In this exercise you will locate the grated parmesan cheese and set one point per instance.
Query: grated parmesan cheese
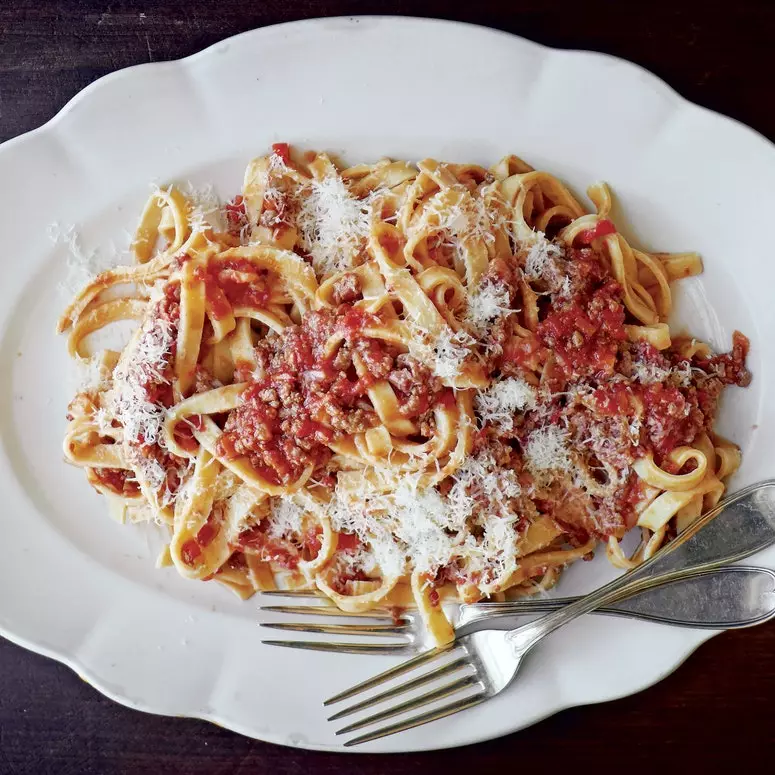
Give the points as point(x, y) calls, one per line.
point(408, 524)
point(498, 404)
point(104, 422)
point(333, 225)
point(450, 351)
point(481, 477)
point(682, 374)
point(547, 450)
point(354, 560)
point(426, 527)
point(362, 515)
point(483, 494)
point(648, 373)
point(488, 303)
point(285, 519)
point(422, 529)
point(539, 262)
point(469, 219)
point(142, 419)
point(83, 264)
point(206, 210)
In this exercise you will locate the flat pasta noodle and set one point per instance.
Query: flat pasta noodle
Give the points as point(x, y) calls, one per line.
point(398, 384)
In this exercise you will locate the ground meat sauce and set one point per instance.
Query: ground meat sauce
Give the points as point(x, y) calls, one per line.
point(119, 480)
point(236, 215)
point(306, 398)
point(347, 572)
point(285, 553)
point(585, 334)
point(418, 389)
point(255, 541)
point(614, 400)
point(168, 307)
point(730, 368)
point(234, 282)
point(184, 432)
point(346, 289)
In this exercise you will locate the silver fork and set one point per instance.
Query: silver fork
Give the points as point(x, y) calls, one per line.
point(734, 537)
point(490, 658)
point(691, 602)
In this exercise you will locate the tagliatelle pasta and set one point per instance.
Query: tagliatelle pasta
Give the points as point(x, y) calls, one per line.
point(397, 384)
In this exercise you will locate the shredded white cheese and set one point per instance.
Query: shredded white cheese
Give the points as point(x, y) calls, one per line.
point(682, 374)
point(481, 477)
point(450, 351)
point(498, 403)
point(142, 419)
point(285, 519)
point(547, 450)
point(206, 210)
point(539, 262)
point(487, 304)
point(83, 264)
point(333, 224)
point(483, 494)
point(648, 373)
point(469, 219)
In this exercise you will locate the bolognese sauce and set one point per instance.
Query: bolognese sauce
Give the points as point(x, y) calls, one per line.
point(307, 397)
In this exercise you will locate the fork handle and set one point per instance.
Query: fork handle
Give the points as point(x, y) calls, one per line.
point(735, 528)
point(722, 599)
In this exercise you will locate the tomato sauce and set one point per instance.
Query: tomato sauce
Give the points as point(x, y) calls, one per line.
point(184, 432)
point(190, 552)
point(120, 480)
point(168, 307)
point(447, 399)
point(614, 399)
point(600, 229)
point(312, 543)
point(269, 550)
point(585, 337)
point(525, 352)
point(306, 396)
point(233, 283)
point(730, 367)
point(627, 499)
point(671, 418)
point(283, 151)
point(348, 542)
point(208, 532)
point(392, 243)
point(340, 581)
point(235, 212)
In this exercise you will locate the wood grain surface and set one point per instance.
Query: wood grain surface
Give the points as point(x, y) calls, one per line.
point(713, 714)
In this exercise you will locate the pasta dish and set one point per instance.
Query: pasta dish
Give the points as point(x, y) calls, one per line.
point(399, 384)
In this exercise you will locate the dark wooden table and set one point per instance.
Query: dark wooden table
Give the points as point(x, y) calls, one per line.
point(714, 713)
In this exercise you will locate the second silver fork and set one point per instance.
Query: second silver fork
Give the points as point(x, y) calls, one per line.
point(691, 602)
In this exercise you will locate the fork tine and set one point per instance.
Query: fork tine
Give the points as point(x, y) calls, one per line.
point(414, 703)
point(324, 610)
point(450, 667)
point(391, 649)
point(423, 718)
point(339, 629)
point(293, 593)
point(404, 667)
